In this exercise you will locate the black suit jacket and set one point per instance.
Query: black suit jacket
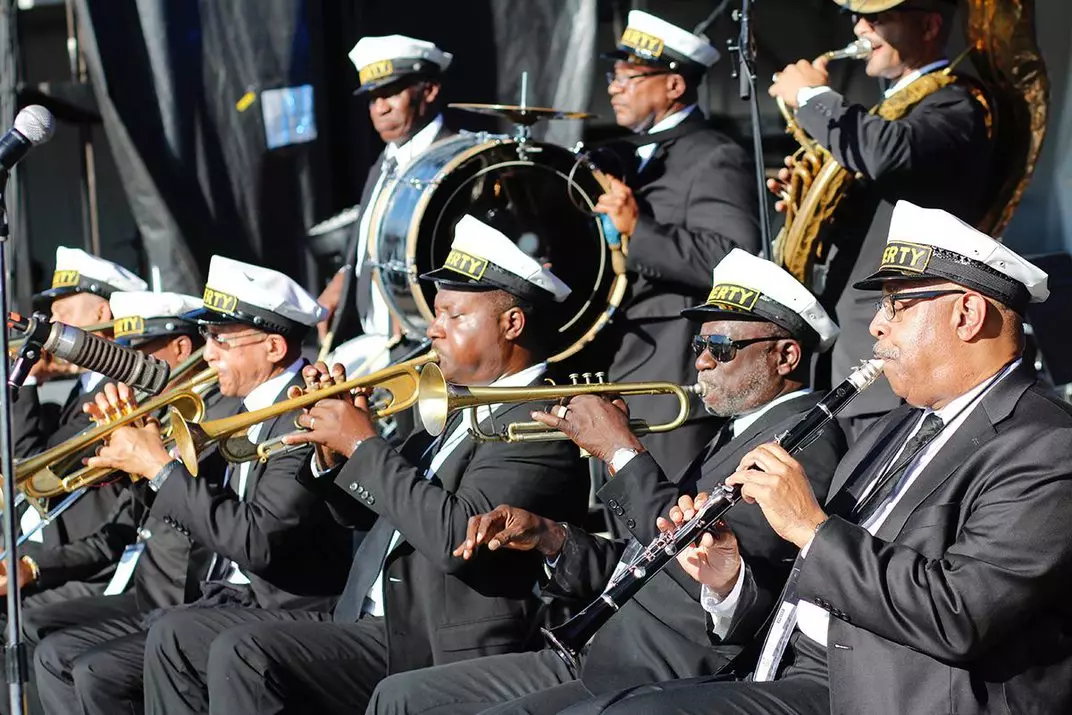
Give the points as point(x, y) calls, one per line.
point(102, 511)
point(663, 632)
point(282, 537)
point(960, 602)
point(439, 608)
point(937, 156)
point(697, 198)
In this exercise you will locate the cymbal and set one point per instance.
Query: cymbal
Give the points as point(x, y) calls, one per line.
point(526, 116)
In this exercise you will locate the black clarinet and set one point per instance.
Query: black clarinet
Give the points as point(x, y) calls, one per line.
point(570, 639)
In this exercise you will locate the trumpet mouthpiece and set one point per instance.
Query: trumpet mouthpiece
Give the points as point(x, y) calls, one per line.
point(698, 389)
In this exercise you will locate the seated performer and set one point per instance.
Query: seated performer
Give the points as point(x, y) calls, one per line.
point(690, 200)
point(757, 330)
point(935, 578)
point(408, 602)
point(275, 545)
point(81, 286)
point(153, 324)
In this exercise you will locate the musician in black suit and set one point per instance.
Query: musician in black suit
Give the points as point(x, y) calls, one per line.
point(81, 286)
point(691, 200)
point(401, 78)
point(936, 154)
point(274, 545)
point(756, 332)
point(408, 602)
point(935, 578)
point(152, 323)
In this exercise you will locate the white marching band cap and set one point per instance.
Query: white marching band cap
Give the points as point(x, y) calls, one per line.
point(141, 316)
point(382, 60)
point(934, 244)
point(484, 257)
point(746, 286)
point(653, 41)
point(81, 272)
point(238, 292)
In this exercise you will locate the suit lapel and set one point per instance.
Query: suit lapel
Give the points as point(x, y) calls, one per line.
point(977, 428)
point(273, 428)
point(873, 441)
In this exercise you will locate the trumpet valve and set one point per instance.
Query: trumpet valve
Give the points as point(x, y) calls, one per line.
point(587, 378)
point(601, 378)
point(575, 378)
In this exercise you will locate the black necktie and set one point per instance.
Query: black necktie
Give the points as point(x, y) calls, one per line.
point(892, 477)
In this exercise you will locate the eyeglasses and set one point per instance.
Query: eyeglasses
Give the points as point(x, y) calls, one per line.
point(230, 340)
point(624, 80)
point(888, 303)
point(724, 348)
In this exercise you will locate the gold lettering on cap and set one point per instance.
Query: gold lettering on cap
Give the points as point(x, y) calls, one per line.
point(375, 71)
point(466, 264)
point(728, 296)
point(219, 301)
point(130, 325)
point(641, 42)
point(905, 256)
point(65, 279)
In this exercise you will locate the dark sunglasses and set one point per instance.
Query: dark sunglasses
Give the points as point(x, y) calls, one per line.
point(724, 348)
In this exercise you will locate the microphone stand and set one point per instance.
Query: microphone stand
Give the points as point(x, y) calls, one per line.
point(15, 649)
point(743, 52)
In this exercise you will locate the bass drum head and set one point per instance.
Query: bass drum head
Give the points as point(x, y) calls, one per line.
point(535, 193)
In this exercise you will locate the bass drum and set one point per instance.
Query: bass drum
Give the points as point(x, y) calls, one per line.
point(548, 193)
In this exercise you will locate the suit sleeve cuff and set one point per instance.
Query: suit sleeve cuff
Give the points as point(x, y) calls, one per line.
point(156, 482)
point(806, 94)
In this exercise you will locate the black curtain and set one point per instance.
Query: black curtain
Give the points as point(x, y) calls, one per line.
point(196, 169)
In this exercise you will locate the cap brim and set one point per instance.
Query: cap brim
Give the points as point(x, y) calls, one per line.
point(704, 313)
point(453, 279)
point(204, 316)
point(402, 79)
point(868, 7)
point(54, 293)
point(875, 280)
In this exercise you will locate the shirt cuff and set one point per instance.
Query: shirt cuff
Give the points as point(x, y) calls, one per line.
point(29, 382)
point(723, 607)
point(806, 94)
point(156, 482)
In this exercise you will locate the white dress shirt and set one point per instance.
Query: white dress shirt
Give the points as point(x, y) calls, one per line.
point(263, 395)
point(645, 151)
point(373, 604)
point(378, 320)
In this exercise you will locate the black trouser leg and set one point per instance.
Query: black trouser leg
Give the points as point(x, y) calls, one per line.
point(319, 668)
point(41, 621)
point(474, 686)
point(55, 658)
point(177, 653)
point(108, 677)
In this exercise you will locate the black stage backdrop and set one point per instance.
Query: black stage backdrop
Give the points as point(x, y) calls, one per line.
point(196, 170)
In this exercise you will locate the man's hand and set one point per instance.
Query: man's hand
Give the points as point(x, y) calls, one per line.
point(595, 424)
point(110, 403)
point(780, 186)
point(511, 528)
point(50, 368)
point(329, 298)
point(620, 204)
point(25, 575)
point(337, 425)
point(796, 77)
point(715, 561)
point(782, 491)
point(137, 450)
point(317, 377)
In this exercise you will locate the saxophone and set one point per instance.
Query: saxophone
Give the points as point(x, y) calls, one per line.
point(1013, 92)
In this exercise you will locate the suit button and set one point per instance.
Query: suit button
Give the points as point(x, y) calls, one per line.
point(371, 500)
point(353, 486)
point(619, 511)
point(631, 523)
point(612, 504)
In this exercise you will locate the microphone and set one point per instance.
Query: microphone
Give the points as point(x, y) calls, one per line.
point(33, 125)
point(92, 352)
